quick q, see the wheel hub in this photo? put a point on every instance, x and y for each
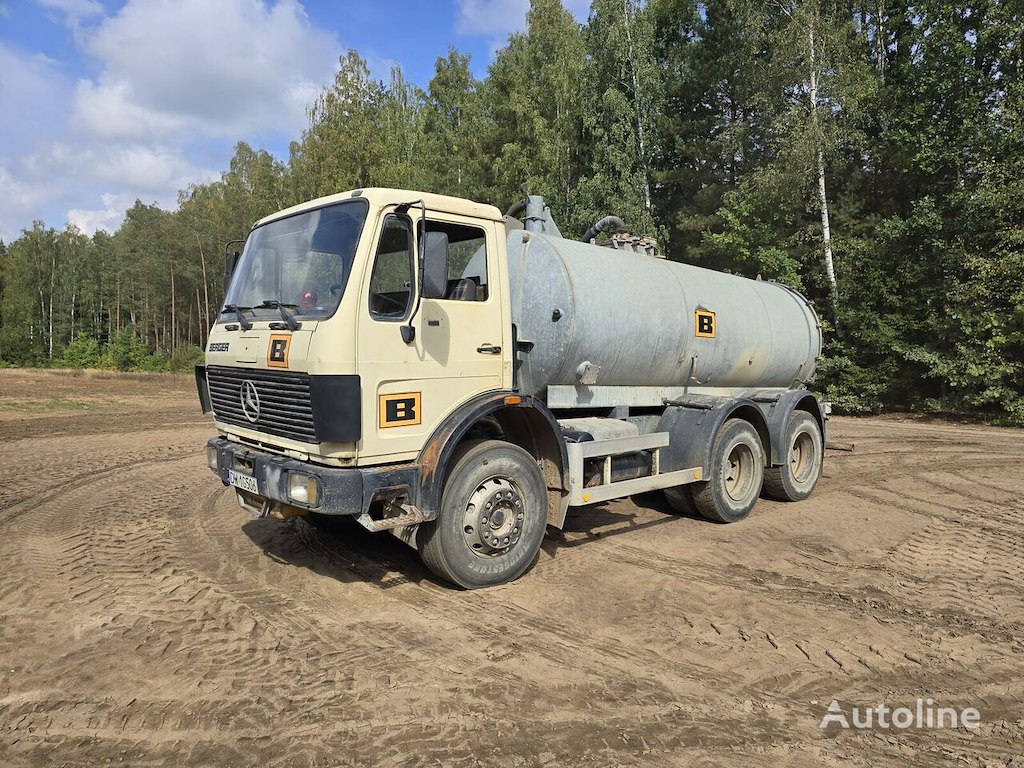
(800, 462)
(493, 521)
(738, 471)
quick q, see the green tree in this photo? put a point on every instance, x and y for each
(255, 185)
(153, 249)
(27, 304)
(709, 134)
(757, 136)
(82, 352)
(619, 105)
(334, 153)
(453, 123)
(73, 249)
(396, 144)
(813, 85)
(532, 96)
(3, 269)
(944, 153)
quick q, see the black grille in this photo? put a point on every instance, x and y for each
(285, 406)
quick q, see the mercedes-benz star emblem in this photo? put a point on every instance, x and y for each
(250, 401)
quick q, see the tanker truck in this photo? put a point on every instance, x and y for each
(461, 378)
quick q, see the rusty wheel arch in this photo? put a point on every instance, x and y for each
(518, 419)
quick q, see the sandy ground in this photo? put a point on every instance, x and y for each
(147, 620)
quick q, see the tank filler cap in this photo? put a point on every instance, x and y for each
(586, 373)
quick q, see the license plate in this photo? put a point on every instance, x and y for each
(245, 482)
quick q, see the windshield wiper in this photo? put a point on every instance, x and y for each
(237, 310)
(288, 317)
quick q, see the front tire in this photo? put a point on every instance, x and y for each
(492, 519)
(795, 479)
(737, 472)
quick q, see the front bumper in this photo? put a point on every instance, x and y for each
(343, 491)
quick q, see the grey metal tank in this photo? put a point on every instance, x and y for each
(634, 319)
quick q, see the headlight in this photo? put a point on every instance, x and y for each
(304, 489)
(211, 457)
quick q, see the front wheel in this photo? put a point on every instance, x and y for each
(737, 471)
(492, 519)
(795, 479)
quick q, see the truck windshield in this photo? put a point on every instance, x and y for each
(301, 263)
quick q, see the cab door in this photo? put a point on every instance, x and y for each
(461, 343)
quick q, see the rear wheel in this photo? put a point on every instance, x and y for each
(737, 471)
(795, 479)
(492, 519)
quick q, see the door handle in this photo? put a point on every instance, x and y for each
(489, 349)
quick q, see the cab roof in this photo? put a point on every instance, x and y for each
(380, 196)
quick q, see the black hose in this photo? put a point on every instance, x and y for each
(601, 226)
(517, 208)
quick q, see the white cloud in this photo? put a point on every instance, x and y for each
(497, 19)
(491, 18)
(64, 178)
(228, 68)
(176, 83)
(33, 93)
(107, 218)
(148, 169)
(145, 167)
(16, 195)
(112, 112)
(380, 68)
(74, 10)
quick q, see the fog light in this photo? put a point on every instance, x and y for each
(305, 489)
(211, 457)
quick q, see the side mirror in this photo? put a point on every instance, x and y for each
(434, 276)
(230, 262)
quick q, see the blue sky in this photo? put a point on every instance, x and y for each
(103, 102)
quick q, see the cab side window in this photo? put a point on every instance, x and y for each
(391, 280)
(467, 261)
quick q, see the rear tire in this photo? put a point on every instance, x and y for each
(492, 519)
(737, 471)
(803, 453)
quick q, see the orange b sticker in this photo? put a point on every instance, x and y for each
(399, 410)
(704, 324)
(277, 351)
